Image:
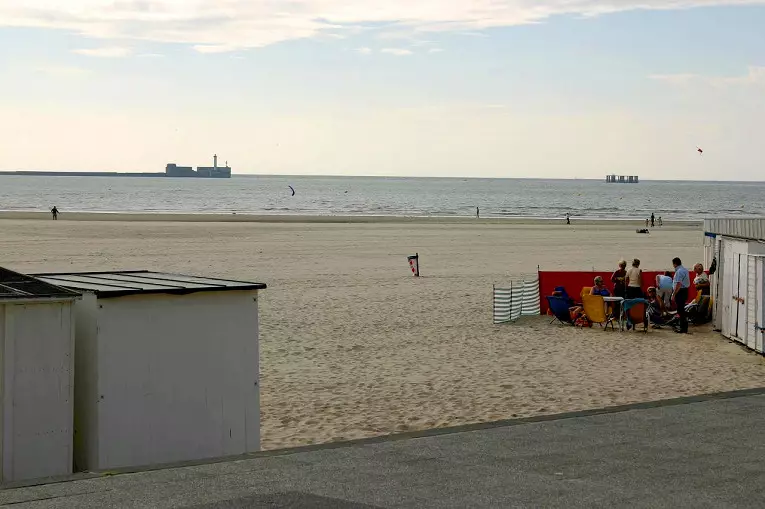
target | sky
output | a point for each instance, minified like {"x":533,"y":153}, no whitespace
{"x":479,"y":88}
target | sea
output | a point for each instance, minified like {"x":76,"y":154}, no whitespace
{"x":385,"y":196}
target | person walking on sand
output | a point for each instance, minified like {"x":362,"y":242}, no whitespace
{"x":653,"y":220}
{"x":477,"y":213}
{"x":54,"y":213}
{"x":661,"y":223}
{"x":568,"y":218}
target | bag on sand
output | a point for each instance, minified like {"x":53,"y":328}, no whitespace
{"x":582,"y":321}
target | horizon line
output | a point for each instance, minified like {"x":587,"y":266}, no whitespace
{"x":26,"y":173}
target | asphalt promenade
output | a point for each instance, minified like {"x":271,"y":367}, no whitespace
{"x":698,"y":452}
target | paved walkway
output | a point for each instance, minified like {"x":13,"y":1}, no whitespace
{"x":702,"y":452}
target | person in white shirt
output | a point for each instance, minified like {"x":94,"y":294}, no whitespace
{"x":701,"y":280}
{"x":635,"y":281}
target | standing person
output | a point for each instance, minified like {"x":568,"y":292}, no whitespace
{"x":647,"y":222}
{"x":619,"y":279}
{"x":635,"y":281}
{"x":653,"y":220}
{"x":661,"y":223}
{"x":568,"y":219}
{"x":681,"y":282}
{"x":54,"y":213}
{"x":664,"y":288}
{"x":477,"y":213}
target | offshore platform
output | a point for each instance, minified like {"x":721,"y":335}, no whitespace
{"x":623,"y":179}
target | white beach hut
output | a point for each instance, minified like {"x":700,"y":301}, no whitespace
{"x":167,"y":368}
{"x":36,"y":378}
{"x":738,"y":285}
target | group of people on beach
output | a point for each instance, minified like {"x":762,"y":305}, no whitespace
{"x":652,"y":221}
{"x":667,"y":300}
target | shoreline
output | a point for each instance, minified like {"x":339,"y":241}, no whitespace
{"x":201,"y":217}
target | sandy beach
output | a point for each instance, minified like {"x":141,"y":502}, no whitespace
{"x":353,"y":346}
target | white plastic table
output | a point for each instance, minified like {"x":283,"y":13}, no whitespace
{"x":620,"y":300}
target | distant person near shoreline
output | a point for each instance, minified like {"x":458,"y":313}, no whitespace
{"x":54,"y":213}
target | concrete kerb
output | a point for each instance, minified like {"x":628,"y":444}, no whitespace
{"x":466,"y":428}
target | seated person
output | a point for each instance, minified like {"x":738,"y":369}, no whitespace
{"x":578,"y":317}
{"x":575,"y":312}
{"x":600,"y":288}
{"x":700,"y":311}
{"x":657,"y":311}
{"x":560,"y":291}
{"x":701,"y":281}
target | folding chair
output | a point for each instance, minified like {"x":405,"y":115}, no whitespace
{"x":636,"y":311}
{"x":595,"y":309}
{"x":559,"y":308}
{"x":701,"y":313}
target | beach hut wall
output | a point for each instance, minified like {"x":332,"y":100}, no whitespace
{"x":36,"y":378}
{"x":167,"y":368}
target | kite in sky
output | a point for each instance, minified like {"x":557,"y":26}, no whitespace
{"x":291,"y":189}
{"x":698,"y":149}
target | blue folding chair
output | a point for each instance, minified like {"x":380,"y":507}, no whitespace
{"x":559,"y":308}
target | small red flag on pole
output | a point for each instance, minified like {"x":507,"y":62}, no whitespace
{"x":414,"y":264}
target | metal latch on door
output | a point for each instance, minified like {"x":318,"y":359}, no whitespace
{"x":740,"y":300}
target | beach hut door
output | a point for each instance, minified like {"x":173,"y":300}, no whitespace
{"x":734,"y":290}
{"x":755,"y":303}
{"x":738,"y":304}
{"x":729,"y":285}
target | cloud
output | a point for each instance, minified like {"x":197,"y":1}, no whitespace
{"x":399,"y":52}
{"x":363,"y":51}
{"x":214,"y":26}
{"x":674,"y":79}
{"x":214,"y":48}
{"x":110,"y":52}
{"x":60,"y":71}
{"x":435,"y":50}
{"x":754,"y":76}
